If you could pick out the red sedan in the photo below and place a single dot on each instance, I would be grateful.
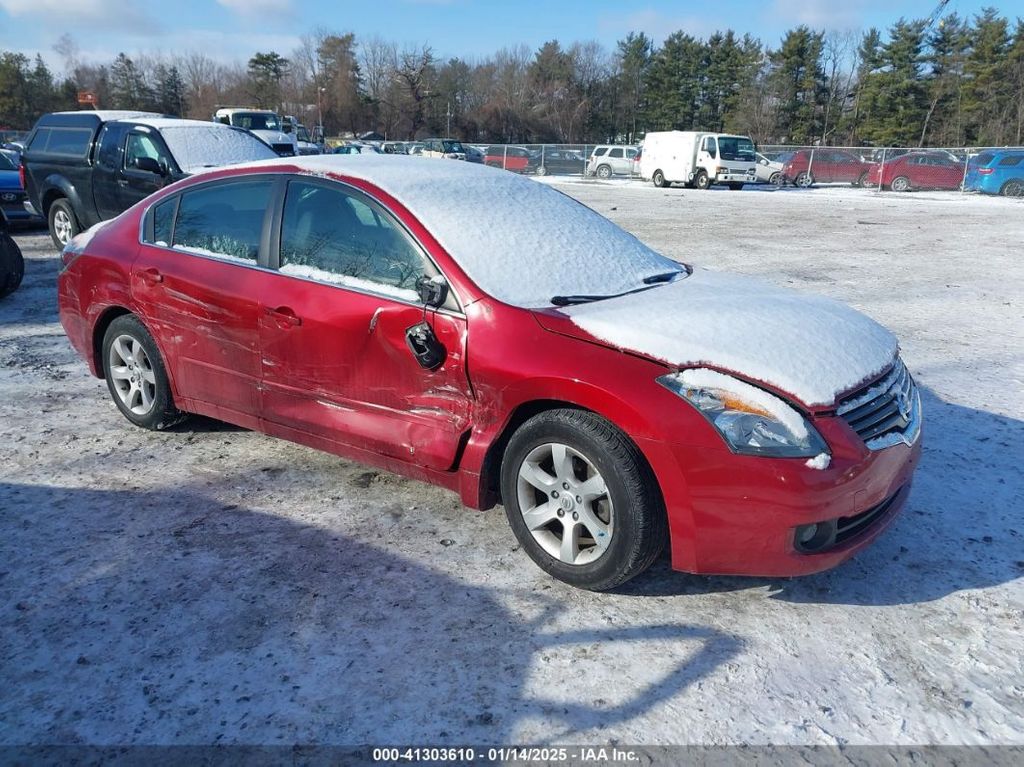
(808, 166)
(614, 400)
(918, 170)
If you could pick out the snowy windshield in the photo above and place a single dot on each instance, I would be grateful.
(255, 121)
(206, 146)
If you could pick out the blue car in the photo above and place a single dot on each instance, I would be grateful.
(12, 194)
(996, 171)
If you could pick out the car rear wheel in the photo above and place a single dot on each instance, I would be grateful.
(862, 180)
(12, 265)
(63, 223)
(702, 181)
(658, 178)
(541, 170)
(900, 184)
(803, 179)
(1013, 188)
(581, 500)
(604, 171)
(136, 375)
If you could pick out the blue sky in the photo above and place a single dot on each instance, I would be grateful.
(235, 29)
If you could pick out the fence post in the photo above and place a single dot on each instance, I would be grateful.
(967, 162)
(542, 148)
(810, 166)
(504, 157)
(881, 168)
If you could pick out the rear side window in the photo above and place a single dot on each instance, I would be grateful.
(66, 142)
(223, 220)
(984, 158)
(1009, 161)
(600, 151)
(111, 146)
(163, 221)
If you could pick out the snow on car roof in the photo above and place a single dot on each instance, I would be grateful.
(105, 115)
(520, 241)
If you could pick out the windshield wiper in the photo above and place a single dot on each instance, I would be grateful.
(649, 282)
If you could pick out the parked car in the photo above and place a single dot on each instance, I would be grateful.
(81, 168)
(12, 264)
(394, 147)
(474, 154)
(807, 166)
(768, 171)
(446, 148)
(608, 160)
(514, 158)
(559, 161)
(752, 429)
(264, 124)
(356, 147)
(997, 171)
(12, 192)
(917, 170)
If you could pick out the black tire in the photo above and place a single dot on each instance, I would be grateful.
(735, 185)
(639, 529)
(659, 179)
(804, 179)
(900, 184)
(1013, 188)
(862, 180)
(702, 180)
(604, 171)
(541, 170)
(775, 179)
(161, 412)
(62, 208)
(12, 265)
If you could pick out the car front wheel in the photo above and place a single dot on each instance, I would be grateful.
(136, 375)
(803, 179)
(900, 184)
(581, 500)
(1013, 188)
(658, 178)
(604, 171)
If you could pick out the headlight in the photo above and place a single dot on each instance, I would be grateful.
(750, 420)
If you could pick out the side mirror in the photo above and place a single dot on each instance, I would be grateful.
(433, 291)
(149, 165)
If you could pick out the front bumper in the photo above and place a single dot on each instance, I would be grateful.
(734, 177)
(737, 515)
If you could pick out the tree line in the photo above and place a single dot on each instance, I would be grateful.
(950, 82)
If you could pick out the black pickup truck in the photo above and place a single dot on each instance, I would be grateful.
(81, 168)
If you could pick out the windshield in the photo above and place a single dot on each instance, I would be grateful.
(204, 146)
(6, 163)
(453, 146)
(255, 121)
(303, 135)
(736, 148)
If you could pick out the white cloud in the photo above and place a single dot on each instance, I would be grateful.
(258, 8)
(119, 13)
(820, 14)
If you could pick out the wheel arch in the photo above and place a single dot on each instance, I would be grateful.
(99, 330)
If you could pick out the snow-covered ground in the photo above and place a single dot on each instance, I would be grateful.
(212, 585)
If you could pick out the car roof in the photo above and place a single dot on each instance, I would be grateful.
(84, 117)
(176, 122)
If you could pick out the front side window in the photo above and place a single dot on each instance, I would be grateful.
(143, 145)
(223, 220)
(332, 236)
(453, 146)
(711, 146)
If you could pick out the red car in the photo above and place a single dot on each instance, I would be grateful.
(918, 170)
(807, 166)
(513, 158)
(483, 332)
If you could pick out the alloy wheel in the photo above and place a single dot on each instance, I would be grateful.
(132, 375)
(62, 226)
(565, 503)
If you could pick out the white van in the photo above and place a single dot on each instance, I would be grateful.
(264, 124)
(698, 159)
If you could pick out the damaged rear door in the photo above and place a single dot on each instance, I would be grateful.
(333, 323)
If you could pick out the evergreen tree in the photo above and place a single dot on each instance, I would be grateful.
(800, 86)
(128, 89)
(986, 92)
(634, 55)
(265, 73)
(673, 83)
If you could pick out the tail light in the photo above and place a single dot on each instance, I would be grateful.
(21, 175)
(984, 171)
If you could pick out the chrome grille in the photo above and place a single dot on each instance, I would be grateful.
(887, 412)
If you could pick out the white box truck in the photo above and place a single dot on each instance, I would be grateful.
(698, 159)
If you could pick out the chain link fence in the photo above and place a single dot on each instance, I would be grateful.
(985, 170)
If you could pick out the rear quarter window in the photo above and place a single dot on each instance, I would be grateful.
(65, 142)
(1010, 161)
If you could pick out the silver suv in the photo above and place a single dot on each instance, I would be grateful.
(609, 160)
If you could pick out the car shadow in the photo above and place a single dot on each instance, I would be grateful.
(960, 530)
(170, 618)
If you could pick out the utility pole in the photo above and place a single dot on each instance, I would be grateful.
(448, 114)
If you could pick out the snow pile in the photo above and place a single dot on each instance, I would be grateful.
(197, 145)
(811, 347)
(519, 241)
(751, 396)
(820, 462)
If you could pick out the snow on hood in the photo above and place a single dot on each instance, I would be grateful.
(811, 347)
(519, 241)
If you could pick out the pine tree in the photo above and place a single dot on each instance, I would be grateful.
(799, 85)
(265, 73)
(986, 92)
(128, 89)
(634, 54)
(673, 83)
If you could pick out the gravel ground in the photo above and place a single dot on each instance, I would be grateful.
(212, 585)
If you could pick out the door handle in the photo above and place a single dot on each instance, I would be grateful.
(152, 276)
(122, 183)
(284, 316)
